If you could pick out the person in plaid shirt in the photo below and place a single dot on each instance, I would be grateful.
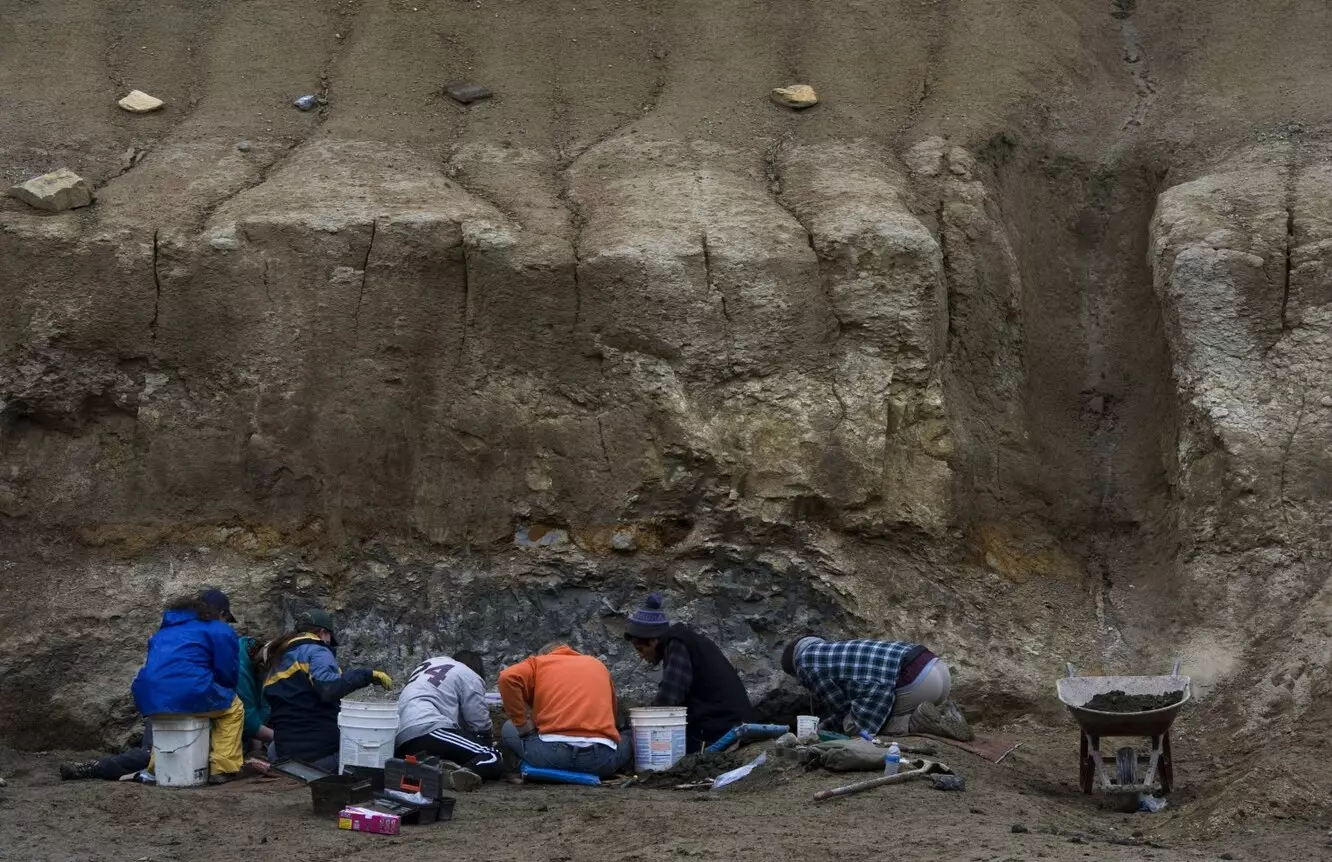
(866, 686)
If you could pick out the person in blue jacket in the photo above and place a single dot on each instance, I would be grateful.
(192, 670)
(304, 685)
(249, 689)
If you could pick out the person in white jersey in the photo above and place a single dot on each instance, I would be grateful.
(442, 712)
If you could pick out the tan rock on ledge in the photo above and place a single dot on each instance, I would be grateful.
(139, 102)
(59, 190)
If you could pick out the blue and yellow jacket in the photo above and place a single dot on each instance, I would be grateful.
(192, 667)
(303, 692)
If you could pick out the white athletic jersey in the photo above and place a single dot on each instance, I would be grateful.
(442, 694)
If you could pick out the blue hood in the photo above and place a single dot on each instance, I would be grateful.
(192, 667)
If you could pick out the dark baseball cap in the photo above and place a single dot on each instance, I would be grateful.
(219, 601)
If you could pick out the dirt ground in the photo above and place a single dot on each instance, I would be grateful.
(1026, 808)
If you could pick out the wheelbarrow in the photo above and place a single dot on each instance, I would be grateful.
(1126, 777)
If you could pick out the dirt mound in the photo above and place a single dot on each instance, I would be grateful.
(1118, 701)
(695, 768)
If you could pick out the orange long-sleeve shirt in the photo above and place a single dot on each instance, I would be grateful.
(569, 694)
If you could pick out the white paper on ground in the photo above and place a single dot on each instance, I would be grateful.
(736, 774)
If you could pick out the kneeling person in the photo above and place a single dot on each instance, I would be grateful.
(561, 708)
(695, 674)
(885, 686)
(442, 711)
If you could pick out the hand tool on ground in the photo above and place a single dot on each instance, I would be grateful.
(927, 767)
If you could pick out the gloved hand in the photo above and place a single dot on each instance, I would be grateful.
(381, 679)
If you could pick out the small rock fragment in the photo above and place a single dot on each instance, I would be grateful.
(624, 539)
(948, 782)
(243, 146)
(795, 96)
(139, 102)
(305, 103)
(466, 92)
(59, 190)
(1018, 829)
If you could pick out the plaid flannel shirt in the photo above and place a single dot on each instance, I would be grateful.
(677, 676)
(859, 676)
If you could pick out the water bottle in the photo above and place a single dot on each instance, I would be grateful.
(892, 760)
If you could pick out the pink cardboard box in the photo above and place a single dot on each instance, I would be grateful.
(366, 820)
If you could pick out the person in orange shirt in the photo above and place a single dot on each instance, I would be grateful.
(561, 709)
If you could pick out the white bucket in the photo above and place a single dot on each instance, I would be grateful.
(366, 730)
(659, 736)
(180, 751)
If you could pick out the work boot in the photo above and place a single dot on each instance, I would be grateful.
(222, 777)
(79, 770)
(464, 780)
(946, 722)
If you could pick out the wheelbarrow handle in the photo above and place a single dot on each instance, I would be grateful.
(1071, 672)
(1174, 671)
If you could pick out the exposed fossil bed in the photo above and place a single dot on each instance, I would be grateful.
(1015, 345)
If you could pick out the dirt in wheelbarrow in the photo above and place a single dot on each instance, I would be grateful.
(1118, 701)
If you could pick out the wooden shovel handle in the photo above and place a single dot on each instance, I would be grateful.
(859, 786)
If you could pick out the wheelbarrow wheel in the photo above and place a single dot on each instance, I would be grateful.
(1167, 767)
(1126, 766)
(1086, 769)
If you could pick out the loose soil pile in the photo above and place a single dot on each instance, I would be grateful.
(694, 768)
(1118, 701)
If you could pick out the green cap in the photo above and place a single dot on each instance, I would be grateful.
(316, 618)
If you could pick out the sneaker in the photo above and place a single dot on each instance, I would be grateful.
(464, 780)
(946, 722)
(80, 770)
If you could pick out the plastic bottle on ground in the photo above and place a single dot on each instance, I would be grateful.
(892, 760)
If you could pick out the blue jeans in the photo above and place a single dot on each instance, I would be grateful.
(599, 760)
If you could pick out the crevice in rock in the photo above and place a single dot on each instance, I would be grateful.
(1135, 59)
(842, 413)
(157, 290)
(1285, 454)
(577, 221)
(466, 315)
(268, 294)
(946, 273)
(1290, 243)
(772, 169)
(941, 25)
(601, 436)
(206, 215)
(712, 286)
(365, 272)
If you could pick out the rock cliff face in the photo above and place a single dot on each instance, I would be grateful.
(1020, 356)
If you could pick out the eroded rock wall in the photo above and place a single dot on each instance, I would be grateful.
(1019, 353)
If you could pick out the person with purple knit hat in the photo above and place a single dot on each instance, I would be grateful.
(695, 674)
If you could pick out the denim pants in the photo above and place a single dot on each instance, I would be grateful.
(599, 760)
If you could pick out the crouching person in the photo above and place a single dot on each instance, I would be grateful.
(561, 709)
(304, 686)
(191, 671)
(871, 687)
(442, 712)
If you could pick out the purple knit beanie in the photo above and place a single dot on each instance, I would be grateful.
(648, 621)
